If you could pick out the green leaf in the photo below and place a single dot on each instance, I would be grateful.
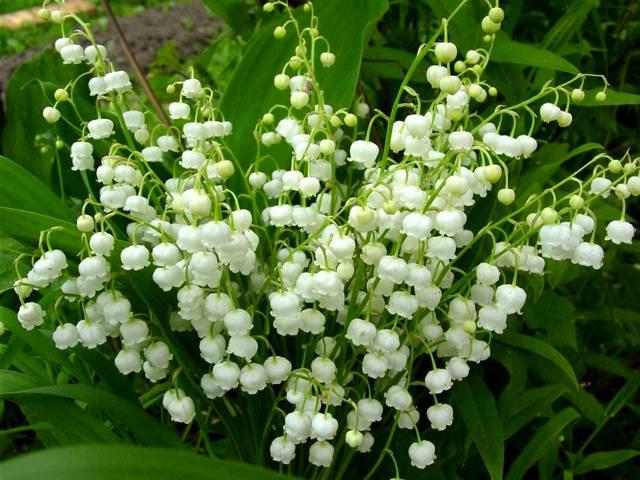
(25, 101)
(529, 405)
(480, 415)
(604, 460)
(14, 386)
(608, 364)
(27, 192)
(623, 396)
(515, 363)
(464, 29)
(391, 63)
(541, 441)
(541, 348)
(234, 13)
(41, 344)
(250, 93)
(12, 349)
(506, 50)
(115, 462)
(26, 226)
(614, 98)
(587, 404)
(555, 315)
(10, 249)
(69, 424)
(568, 24)
(545, 163)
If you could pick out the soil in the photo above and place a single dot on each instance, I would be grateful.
(146, 33)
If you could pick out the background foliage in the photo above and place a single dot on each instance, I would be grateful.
(559, 397)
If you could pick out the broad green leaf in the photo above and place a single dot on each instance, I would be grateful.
(515, 363)
(250, 93)
(608, 364)
(506, 50)
(115, 462)
(386, 54)
(543, 349)
(540, 442)
(26, 226)
(555, 315)
(12, 349)
(391, 63)
(10, 249)
(464, 28)
(41, 344)
(625, 394)
(133, 417)
(529, 405)
(568, 24)
(604, 460)
(25, 102)
(106, 370)
(614, 98)
(69, 424)
(587, 404)
(480, 415)
(26, 192)
(234, 13)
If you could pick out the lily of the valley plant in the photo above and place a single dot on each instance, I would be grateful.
(333, 287)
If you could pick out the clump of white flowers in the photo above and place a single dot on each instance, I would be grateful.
(348, 252)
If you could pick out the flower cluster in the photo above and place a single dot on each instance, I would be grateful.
(336, 283)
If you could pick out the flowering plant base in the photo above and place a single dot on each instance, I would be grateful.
(345, 287)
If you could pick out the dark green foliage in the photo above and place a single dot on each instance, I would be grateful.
(558, 399)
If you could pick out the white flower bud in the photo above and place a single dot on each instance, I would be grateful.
(134, 257)
(212, 348)
(321, 454)
(158, 355)
(118, 81)
(181, 408)
(510, 298)
(100, 128)
(435, 73)
(243, 346)
(619, 231)
(226, 374)
(297, 425)
(282, 450)
(363, 153)
(128, 361)
(134, 120)
(191, 88)
(178, 110)
(438, 380)
(93, 53)
(457, 368)
(277, 369)
(422, 453)
(323, 369)
(66, 336)
(31, 315)
(445, 52)
(51, 114)
(353, 438)
(440, 416)
(72, 54)
(253, 378)
(102, 243)
(323, 426)
(492, 318)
